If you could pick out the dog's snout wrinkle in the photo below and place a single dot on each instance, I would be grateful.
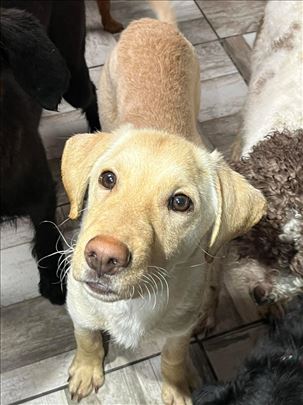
(106, 255)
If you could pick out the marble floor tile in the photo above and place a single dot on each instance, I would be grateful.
(227, 352)
(221, 132)
(222, 96)
(138, 383)
(57, 128)
(16, 234)
(98, 46)
(55, 398)
(35, 379)
(15, 288)
(190, 20)
(32, 331)
(213, 61)
(125, 11)
(240, 53)
(250, 38)
(232, 17)
(99, 43)
(197, 31)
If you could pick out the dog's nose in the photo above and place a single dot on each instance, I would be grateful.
(106, 255)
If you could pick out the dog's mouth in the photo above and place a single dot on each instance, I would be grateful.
(100, 290)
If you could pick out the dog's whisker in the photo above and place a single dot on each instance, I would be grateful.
(50, 255)
(133, 292)
(63, 259)
(198, 264)
(59, 231)
(141, 293)
(167, 286)
(65, 273)
(160, 269)
(161, 272)
(161, 282)
(205, 252)
(148, 292)
(154, 290)
(63, 267)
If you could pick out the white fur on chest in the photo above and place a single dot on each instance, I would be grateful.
(130, 321)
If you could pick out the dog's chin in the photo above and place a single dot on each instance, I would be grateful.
(104, 292)
(101, 291)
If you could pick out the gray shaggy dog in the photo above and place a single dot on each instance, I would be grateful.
(275, 166)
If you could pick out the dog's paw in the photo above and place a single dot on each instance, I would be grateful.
(83, 379)
(177, 386)
(173, 395)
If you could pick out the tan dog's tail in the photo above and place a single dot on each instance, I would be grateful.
(164, 11)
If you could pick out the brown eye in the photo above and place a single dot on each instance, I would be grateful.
(108, 180)
(180, 202)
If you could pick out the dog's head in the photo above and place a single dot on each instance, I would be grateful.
(153, 199)
(29, 54)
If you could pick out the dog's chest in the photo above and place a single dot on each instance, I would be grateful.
(131, 322)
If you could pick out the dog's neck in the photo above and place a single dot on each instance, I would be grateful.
(183, 125)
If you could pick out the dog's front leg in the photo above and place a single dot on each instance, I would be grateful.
(178, 372)
(86, 371)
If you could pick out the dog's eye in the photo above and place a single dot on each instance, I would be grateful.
(180, 202)
(108, 180)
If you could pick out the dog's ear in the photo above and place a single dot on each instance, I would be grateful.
(80, 154)
(240, 206)
(36, 63)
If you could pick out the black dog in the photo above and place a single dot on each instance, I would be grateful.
(33, 73)
(273, 374)
(64, 22)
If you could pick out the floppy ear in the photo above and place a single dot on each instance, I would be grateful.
(240, 206)
(36, 63)
(80, 154)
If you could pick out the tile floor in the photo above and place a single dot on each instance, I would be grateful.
(37, 342)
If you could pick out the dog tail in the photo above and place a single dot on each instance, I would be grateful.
(164, 11)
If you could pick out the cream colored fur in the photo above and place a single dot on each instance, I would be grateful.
(275, 96)
(149, 101)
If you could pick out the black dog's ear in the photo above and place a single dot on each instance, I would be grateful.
(37, 65)
(216, 394)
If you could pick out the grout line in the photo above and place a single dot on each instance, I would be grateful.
(207, 19)
(229, 54)
(222, 39)
(95, 66)
(208, 362)
(64, 386)
(236, 329)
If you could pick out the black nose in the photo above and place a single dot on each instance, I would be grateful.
(106, 255)
(261, 295)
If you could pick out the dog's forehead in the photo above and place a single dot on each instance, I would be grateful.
(151, 150)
